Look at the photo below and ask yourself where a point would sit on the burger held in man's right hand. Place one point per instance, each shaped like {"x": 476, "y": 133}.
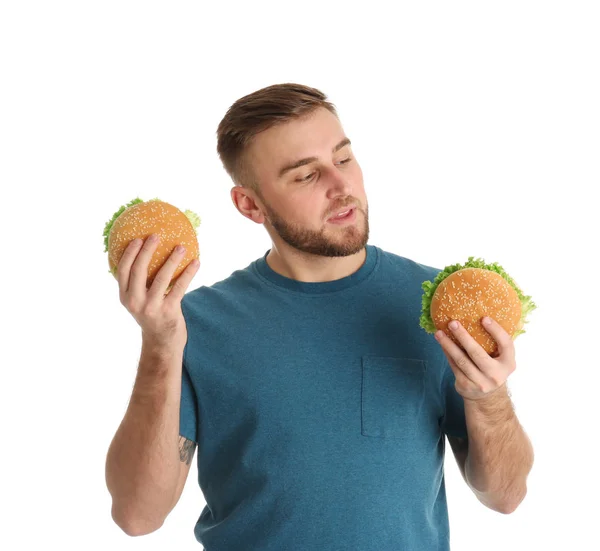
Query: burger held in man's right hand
{"x": 153, "y": 253}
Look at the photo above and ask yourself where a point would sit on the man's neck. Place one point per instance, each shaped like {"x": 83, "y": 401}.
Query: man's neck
{"x": 311, "y": 268}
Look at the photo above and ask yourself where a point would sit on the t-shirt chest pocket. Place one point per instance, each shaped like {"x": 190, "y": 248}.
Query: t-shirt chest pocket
{"x": 393, "y": 390}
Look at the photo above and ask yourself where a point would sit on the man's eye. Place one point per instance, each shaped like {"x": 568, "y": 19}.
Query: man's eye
{"x": 309, "y": 176}
{"x": 306, "y": 178}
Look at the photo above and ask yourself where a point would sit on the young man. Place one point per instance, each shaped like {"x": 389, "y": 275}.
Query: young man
{"x": 318, "y": 404}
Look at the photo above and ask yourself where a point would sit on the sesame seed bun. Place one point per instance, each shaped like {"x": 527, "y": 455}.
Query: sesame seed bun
{"x": 470, "y": 294}
{"x": 140, "y": 219}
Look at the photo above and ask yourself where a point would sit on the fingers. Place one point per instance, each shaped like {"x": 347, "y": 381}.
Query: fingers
{"x": 132, "y": 274}
{"x": 458, "y": 358}
{"x": 498, "y": 333}
{"x": 165, "y": 274}
{"x": 124, "y": 265}
{"x": 182, "y": 282}
{"x": 139, "y": 271}
{"x": 473, "y": 349}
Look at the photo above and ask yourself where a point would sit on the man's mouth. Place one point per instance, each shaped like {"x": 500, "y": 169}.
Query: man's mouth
{"x": 344, "y": 216}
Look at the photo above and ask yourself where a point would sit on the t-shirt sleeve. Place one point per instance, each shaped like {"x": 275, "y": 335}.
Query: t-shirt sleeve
{"x": 453, "y": 420}
{"x": 188, "y": 421}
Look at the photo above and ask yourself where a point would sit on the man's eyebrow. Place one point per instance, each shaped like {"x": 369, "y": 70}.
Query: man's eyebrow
{"x": 308, "y": 160}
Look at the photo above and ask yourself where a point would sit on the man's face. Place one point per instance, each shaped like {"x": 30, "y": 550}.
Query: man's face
{"x": 298, "y": 202}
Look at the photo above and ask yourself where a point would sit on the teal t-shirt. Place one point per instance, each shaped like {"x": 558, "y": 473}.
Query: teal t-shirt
{"x": 319, "y": 410}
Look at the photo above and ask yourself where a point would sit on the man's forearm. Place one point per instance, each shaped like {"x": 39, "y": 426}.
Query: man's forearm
{"x": 500, "y": 455}
{"x": 142, "y": 466}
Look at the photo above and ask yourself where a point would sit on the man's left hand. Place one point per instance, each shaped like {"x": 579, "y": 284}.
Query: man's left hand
{"x": 478, "y": 375}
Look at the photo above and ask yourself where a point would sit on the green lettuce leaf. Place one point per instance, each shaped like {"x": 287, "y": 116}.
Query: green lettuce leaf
{"x": 110, "y": 223}
{"x": 193, "y": 218}
{"x": 429, "y": 288}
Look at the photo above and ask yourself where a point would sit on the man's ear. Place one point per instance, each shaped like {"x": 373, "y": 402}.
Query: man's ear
{"x": 247, "y": 204}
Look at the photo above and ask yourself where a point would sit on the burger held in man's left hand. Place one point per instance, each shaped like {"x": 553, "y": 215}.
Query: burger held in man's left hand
{"x": 456, "y": 307}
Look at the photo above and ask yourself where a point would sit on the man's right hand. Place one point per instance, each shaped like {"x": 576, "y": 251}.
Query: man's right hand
{"x": 157, "y": 312}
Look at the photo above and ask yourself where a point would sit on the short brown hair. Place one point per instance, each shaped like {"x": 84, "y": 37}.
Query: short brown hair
{"x": 257, "y": 112}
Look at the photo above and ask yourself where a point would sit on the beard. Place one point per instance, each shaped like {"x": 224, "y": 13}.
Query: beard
{"x": 330, "y": 241}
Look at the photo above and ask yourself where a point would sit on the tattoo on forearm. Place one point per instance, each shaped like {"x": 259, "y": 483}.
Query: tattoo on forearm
{"x": 186, "y": 450}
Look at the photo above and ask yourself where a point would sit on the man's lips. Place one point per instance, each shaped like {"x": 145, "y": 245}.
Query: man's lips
{"x": 348, "y": 218}
{"x": 347, "y": 210}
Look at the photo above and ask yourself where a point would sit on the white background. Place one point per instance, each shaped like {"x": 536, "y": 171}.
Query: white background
{"x": 477, "y": 128}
